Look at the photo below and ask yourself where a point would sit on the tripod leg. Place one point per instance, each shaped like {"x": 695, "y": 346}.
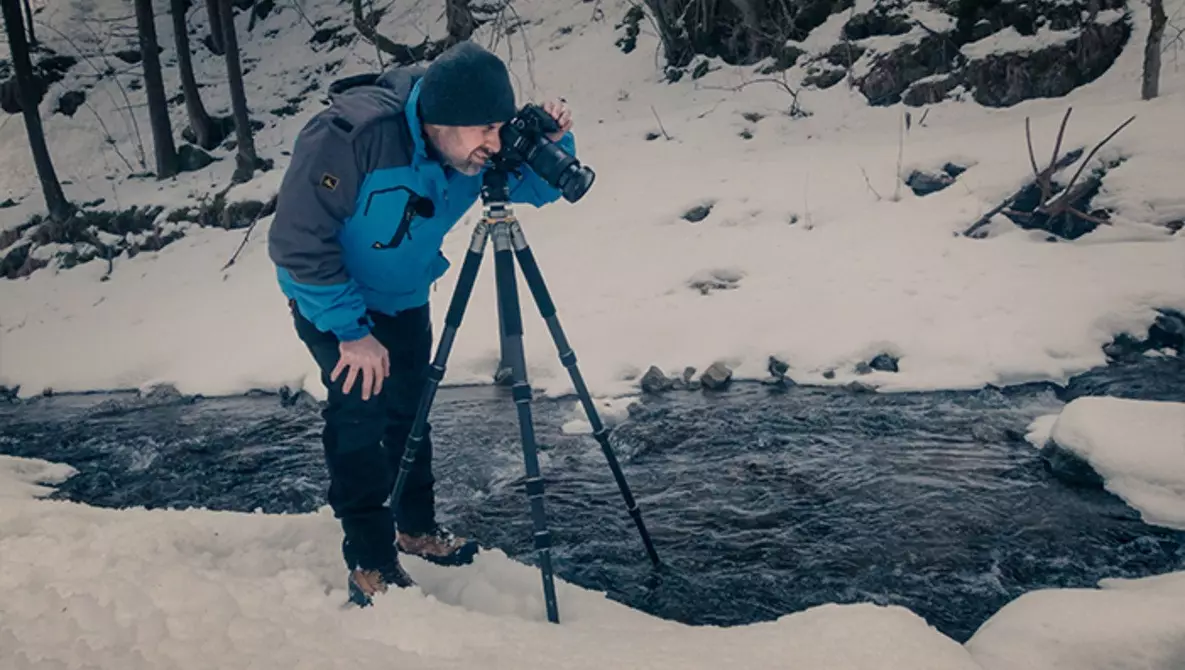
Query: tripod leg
{"x": 512, "y": 333}
{"x": 452, "y": 323}
{"x": 534, "y": 278}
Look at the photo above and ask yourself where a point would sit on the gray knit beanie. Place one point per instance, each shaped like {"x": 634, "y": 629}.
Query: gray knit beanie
{"x": 466, "y": 86}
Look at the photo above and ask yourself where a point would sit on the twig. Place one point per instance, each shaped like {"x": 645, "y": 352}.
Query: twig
{"x": 1063, "y": 201}
{"x": 246, "y": 236}
{"x": 869, "y": 182}
{"x": 900, "y": 155}
{"x": 660, "y": 126}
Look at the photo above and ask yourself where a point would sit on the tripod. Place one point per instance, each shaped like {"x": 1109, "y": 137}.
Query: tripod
{"x": 498, "y": 222}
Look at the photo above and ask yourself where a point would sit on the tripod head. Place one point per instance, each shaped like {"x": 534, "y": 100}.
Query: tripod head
{"x": 495, "y": 186}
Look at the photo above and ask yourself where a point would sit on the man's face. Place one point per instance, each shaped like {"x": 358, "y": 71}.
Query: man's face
{"x": 466, "y": 148}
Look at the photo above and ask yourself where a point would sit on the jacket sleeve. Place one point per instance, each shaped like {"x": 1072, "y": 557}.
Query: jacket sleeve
{"x": 317, "y": 196}
{"x": 530, "y": 187}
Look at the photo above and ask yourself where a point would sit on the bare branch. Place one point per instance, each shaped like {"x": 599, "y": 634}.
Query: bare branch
{"x": 1093, "y": 151}
{"x": 660, "y": 127}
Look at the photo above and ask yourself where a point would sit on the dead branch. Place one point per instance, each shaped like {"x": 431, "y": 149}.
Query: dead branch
{"x": 782, "y": 83}
{"x": 1051, "y": 207}
{"x": 660, "y": 127}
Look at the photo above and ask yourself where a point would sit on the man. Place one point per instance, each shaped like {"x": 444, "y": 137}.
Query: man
{"x": 376, "y": 181}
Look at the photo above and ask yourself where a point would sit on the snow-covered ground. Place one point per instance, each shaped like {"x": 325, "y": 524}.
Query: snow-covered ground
{"x": 1136, "y": 446}
{"x": 827, "y": 269}
{"x": 84, "y": 587}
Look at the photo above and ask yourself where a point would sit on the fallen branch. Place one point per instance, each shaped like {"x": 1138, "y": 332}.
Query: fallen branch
{"x": 1050, "y": 206}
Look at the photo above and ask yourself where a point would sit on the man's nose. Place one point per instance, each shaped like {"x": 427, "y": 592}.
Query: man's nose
{"x": 493, "y": 143}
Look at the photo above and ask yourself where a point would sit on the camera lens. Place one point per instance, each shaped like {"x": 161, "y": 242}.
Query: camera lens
{"x": 575, "y": 182}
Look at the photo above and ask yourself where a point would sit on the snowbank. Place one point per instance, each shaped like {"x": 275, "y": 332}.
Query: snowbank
{"x": 84, "y": 587}
{"x": 1136, "y": 446}
{"x": 1127, "y": 625}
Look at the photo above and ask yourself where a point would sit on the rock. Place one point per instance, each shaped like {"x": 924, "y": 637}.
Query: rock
{"x": 879, "y": 21}
{"x": 825, "y": 78}
{"x": 884, "y": 363}
{"x": 953, "y": 170}
{"x": 10, "y": 395}
{"x": 70, "y": 102}
{"x": 1005, "y": 79}
{"x": 925, "y": 183}
{"x": 698, "y": 213}
{"x": 829, "y": 374}
{"x": 784, "y": 59}
{"x": 929, "y": 90}
{"x": 777, "y": 367}
{"x": 654, "y": 381}
{"x": 717, "y": 376}
{"x": 860, "y": 387}
{"x": 1068, "y": 467}
{"x": 844, "y": 54}
{"x": 688, "y": 374}
{"x": 863, "y": 368}
{"x": 192, "y": 158}
{"x": 633, "y": 18}
{"x": 716, "y": 279}
{"x": 892, "y": 73}
{"x": 8, "y": 203}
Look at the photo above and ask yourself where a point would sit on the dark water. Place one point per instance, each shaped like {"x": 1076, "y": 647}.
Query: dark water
{"x": 761, "y": 501}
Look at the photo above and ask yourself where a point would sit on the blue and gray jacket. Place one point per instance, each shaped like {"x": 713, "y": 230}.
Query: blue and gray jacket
{"x": 359, "y": 169}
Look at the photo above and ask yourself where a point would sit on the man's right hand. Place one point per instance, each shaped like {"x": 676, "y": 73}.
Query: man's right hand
{"x": 368, "y": 357}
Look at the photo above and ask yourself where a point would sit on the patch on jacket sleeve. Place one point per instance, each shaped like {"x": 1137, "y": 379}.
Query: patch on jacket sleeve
{"x": 329, "y": 182}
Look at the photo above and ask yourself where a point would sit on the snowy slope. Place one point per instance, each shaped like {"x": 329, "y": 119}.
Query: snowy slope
{"x": 84, "y": 587}
{"x": 824, "y": 268}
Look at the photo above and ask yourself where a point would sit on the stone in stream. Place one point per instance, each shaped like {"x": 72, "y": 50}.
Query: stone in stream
{"x": 716, "y": 376}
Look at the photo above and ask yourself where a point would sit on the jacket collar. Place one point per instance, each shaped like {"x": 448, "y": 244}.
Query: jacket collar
{"x": 412, "y": 112}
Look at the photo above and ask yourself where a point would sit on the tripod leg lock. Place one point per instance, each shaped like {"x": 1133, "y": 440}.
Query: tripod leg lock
{"x": 543, "y": 539}
{"x": 521, "y": 393}
{"x": 436, "y": 372}
{"x": 568, "y": 358}
{"x": 534, "y": 487}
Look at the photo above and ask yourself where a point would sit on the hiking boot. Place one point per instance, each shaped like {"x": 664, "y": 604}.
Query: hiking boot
{"x": 439, "y": 546}
{"x": 365, "y": 584}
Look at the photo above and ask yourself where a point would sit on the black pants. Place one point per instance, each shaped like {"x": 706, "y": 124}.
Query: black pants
{"x": 364, "y": 440}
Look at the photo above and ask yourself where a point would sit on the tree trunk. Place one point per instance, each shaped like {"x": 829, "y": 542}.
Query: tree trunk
{"x": 154, "y": 87}
{"x": 675, "y": 44}
{"x": 59, "y": 208}
{"x": 199, "y": 120}
{"x": 29, "y": 18}
{"x": 214, "y": 15}
{"x": 1151, "y": 87}
{"x": 460, "y": 20}
{"x": 246, "y": 159}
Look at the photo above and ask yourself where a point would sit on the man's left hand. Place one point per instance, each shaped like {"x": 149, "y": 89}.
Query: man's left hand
{"x": 562, "y": 115}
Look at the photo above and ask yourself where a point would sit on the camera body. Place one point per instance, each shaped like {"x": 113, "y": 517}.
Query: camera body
{"x": 524, "y": 140}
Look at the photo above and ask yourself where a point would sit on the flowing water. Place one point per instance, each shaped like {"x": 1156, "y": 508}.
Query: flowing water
{"x": 761, "y": 501}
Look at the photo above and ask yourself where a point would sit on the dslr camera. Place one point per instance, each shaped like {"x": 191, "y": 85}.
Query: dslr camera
{"x": 524, "y": 140}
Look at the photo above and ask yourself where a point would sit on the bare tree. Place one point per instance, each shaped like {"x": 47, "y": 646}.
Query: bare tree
{"x": 59, "y": 208}
{"x": 459, "y": 19}
{"x": 154, "y": 86}
{"x": 199, "y": 121}
{"x": 214, "y": 16}
{"x": 246, "y": 159}
{"x": 1151, "y": 85}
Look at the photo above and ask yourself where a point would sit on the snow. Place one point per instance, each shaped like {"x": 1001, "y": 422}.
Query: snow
{"x": 1009, "y": 40}
{"x": 86, "y": 587}
{"x": 1136, "y": 446}
{"x": 1124, "y": 625}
